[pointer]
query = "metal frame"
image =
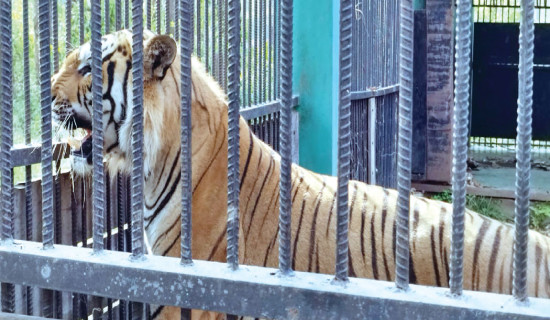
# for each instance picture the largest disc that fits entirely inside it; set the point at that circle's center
(241, 289)
(213, 286)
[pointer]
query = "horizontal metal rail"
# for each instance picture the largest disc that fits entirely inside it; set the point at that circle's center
(374, 92)
(263, 109)
(24, 155)
(11, 316)
(213, 286)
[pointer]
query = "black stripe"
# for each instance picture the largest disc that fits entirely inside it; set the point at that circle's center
(350, 265)
(250, 148)
(298, 231)
(162, 171)
(480, 235)
(363, 212)
(260, 192)
(412, 273)
(442, 250)
(373, 249)
(538, 258)
(210, 164)
(112, 146)
(107, 57)
(384, 219)
(125, 91)
(165, 234)
(492, 260)
(157, 312)
(218, 242)
(166, 199)
(174, 163)
(313, 227)
(434, 258)
(297, 188)
(271, 246)
(334, 196)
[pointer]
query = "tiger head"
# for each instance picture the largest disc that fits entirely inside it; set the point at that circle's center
(72, 94)
(72, 106)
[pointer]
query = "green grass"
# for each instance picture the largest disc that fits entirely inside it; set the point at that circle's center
(490, 207)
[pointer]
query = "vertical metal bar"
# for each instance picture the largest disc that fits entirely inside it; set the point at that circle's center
(127, 14)
(28, 169)
(55, 35)
(137, 128)
(106, 16)
(118, 14)
(81, 14)
(186, 49)
(199, 33)
(221, 62)
(177, 21)
(249, 64)
(98, 182)
(68, 16)
(256, 41)
(344, 140)
(233, 135)
(523, 151)
(7, 126)
(149, 12)
(263, 51)
(58, 306)
(158, 17)
(404, 144)
(45, 102)
(168, 16)
(121, 211)
(244, 57)
(206, 37)
(460, 140)
(285, 185)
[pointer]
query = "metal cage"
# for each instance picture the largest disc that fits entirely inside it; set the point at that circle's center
(39, 260)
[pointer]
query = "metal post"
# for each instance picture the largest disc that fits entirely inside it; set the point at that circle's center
(55, 35)
(28, 169)
(233, 135)
(137, 129)
(186, 49)
(285, 147)
(118, 14)
(404, 145)
(8, 290)
(344, 140)
(81, 14)
(98, 182)
(68, 35)
(523, 150)
(460, 140)
(45, 102)
(107, 16)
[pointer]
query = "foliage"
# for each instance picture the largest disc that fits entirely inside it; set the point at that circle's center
(539, 213)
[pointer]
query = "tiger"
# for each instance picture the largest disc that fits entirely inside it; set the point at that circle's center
(372, 209)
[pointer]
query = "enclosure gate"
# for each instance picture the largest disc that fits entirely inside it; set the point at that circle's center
(230, 288)
(374, 92)
(495, 67)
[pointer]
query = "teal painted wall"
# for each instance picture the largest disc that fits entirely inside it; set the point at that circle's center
(315, 61)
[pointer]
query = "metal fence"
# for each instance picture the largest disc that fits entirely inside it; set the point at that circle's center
(508, 11)
(242, 290)
(375, 92)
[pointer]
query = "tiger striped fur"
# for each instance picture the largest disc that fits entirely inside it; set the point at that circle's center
(488, 243)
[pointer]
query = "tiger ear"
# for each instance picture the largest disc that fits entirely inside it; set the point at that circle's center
(158, 55)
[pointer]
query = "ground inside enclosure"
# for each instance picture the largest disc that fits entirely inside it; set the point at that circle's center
(491, 182)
